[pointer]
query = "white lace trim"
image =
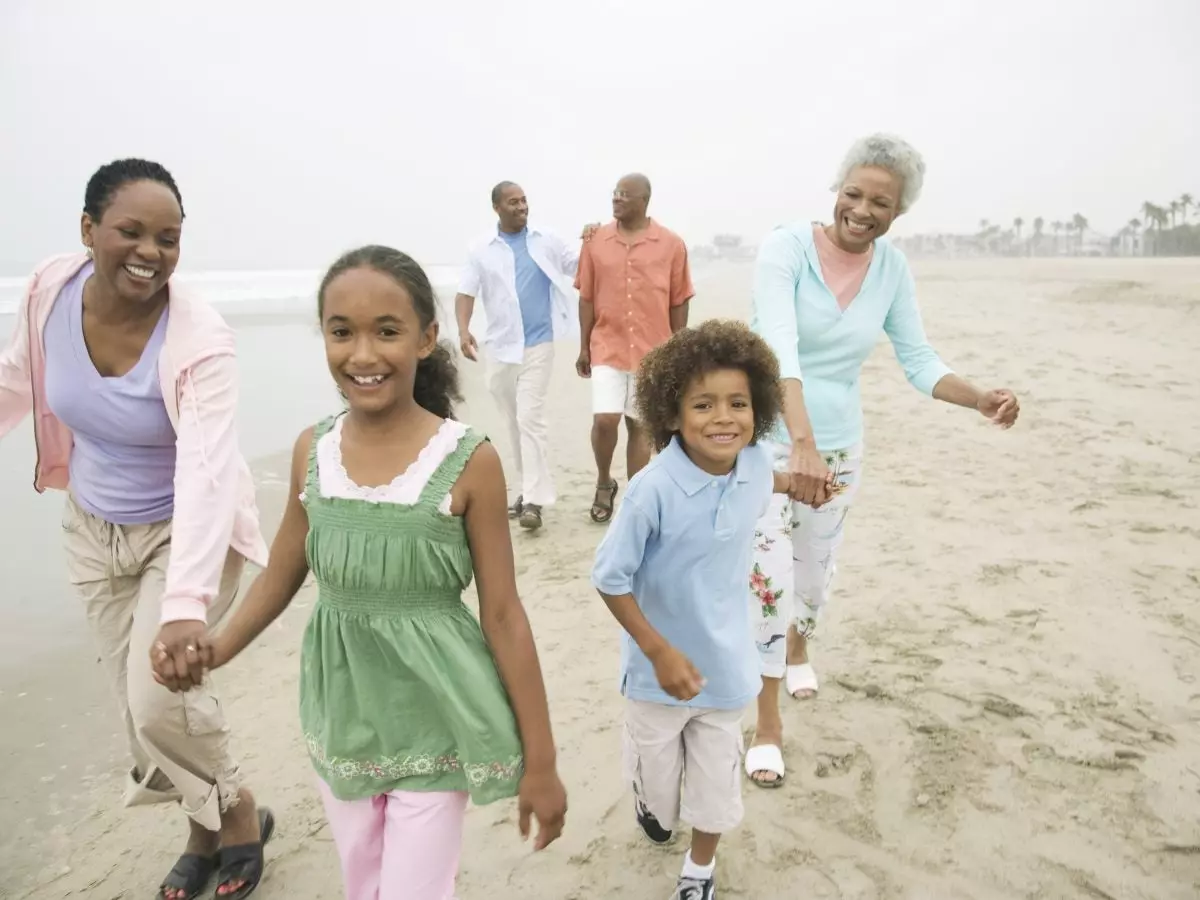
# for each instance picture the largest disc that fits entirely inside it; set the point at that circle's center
(405, 489)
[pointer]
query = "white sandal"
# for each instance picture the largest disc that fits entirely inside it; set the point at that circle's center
(802, 678)
(765, 758)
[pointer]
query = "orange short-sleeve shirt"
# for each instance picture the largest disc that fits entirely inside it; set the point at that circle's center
(632, 287)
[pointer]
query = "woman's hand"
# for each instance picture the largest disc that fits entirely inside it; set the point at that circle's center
(213, 654)
(676, 675)
(811, 478)
(1000, 406)
(542, 797)
(175, 656)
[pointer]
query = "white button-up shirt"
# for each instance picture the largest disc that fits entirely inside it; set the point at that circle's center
(490, 276)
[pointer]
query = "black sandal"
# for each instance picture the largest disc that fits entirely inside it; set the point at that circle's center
(190, 874)
(514, 511)
(244, 862)
(602, 512)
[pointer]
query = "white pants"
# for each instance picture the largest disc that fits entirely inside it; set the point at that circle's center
(795, 558)
(520, 394)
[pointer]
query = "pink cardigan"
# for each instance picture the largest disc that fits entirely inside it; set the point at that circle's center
(215, 507)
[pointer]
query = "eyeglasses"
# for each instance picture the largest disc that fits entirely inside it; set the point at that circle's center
(625, 195)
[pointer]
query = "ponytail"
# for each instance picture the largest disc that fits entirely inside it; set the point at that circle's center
(436, 387)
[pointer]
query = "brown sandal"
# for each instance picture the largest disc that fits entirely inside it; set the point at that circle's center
(603, 512)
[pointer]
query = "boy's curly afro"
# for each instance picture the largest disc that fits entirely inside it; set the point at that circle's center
(669, 368)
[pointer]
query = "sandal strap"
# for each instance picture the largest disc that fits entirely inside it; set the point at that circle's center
(245, 862)
(190, 873)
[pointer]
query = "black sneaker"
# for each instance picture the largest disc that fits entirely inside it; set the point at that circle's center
(650, 826)
(695, 889)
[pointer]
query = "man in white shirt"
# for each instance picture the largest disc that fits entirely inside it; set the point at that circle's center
(525, 278)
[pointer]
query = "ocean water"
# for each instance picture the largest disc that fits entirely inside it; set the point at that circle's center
(285, 291)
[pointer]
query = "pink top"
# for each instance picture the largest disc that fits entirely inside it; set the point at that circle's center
(843, 272)
(215, 507)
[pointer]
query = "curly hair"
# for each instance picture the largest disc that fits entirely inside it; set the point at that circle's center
(691, 353)
(436, 388)
(111, 177)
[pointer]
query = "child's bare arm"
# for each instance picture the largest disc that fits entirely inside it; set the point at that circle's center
(675, 673)
(506, 627)
(274, 588)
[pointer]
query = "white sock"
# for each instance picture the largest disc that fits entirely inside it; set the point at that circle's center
(691, 870)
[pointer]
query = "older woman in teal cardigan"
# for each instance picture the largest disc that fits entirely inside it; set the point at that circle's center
(822, 293)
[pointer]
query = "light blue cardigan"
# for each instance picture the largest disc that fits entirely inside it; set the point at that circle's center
(817, 343)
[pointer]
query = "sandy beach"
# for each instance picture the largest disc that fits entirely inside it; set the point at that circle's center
(1010, 705)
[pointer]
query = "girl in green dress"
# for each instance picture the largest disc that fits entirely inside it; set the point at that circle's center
(408, 706)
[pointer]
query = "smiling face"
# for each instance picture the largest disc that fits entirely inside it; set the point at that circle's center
(716, 419)
(373, 339)
(135, 243)
(513, 209)
(867, 204)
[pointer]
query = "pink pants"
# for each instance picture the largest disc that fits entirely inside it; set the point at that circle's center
(403, 845)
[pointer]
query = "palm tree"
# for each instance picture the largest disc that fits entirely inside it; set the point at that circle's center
(1038, 224)
(1148, 209)
(1056, 227)
(1017, 223)
(1185, 200)
(1080, 224)
(1174, 208)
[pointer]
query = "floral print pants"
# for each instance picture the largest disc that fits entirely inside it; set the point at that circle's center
(795, 554)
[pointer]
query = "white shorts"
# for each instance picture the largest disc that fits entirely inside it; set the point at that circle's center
(613, 392)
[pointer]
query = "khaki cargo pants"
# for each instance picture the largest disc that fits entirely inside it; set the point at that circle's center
(179, 742)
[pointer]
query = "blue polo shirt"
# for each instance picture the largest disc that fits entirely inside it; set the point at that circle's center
(681, 544)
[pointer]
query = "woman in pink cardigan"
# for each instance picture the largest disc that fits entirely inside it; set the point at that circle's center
(132, 384)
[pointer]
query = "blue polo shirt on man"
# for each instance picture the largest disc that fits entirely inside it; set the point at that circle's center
(681, 544)
(533, 290)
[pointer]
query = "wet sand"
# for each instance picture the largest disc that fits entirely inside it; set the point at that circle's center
(1009, 707)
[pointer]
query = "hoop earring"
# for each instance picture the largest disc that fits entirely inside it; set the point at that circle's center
(89, 253)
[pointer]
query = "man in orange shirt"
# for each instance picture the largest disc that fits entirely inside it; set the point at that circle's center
(634, 286)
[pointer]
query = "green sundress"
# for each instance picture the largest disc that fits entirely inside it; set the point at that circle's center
(398, 689)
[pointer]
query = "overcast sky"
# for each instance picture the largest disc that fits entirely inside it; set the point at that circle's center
(296, 134)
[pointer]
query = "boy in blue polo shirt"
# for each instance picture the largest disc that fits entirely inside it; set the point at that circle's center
(672, 570)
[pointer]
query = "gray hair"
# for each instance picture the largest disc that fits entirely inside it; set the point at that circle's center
(887, 152)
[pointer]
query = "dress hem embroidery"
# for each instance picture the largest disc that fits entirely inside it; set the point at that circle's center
(414, 765)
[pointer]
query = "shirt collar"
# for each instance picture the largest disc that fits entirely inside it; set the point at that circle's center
(653, 232)
(689, 476)
(530, 231)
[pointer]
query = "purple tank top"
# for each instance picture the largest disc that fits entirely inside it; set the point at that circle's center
(123, 462)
